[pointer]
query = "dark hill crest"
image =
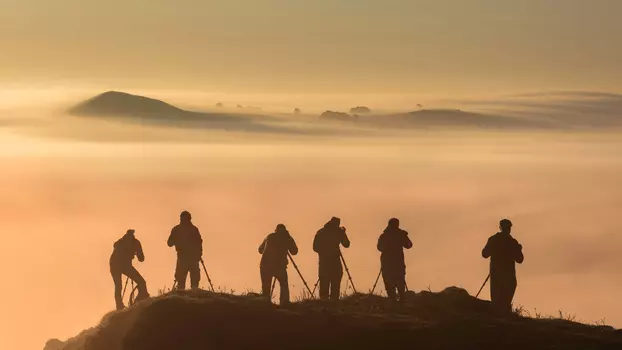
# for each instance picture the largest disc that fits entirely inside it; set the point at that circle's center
(123, 104)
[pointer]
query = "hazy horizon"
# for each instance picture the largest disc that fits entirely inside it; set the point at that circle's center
(447, 47)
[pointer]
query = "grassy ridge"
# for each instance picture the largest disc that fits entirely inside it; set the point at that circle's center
(447, 320)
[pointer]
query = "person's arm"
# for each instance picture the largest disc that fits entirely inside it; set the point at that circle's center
(139, 251)
(380, 245)
(293, 248)
(262, 246)
(519, 258)
(487, 251)
(344, 239)
(172, 239)
(407, 242)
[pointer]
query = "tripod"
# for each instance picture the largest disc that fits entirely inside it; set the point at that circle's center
(347, 271)
(300, 274)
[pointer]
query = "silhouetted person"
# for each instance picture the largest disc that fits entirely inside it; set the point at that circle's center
(391, 244)
(189, 246)
(326, 244)
(504, 251)
(121, 264)
(274, 261)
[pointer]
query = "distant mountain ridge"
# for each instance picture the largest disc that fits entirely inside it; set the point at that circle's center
(599, 111)
(128, 107)
(121, 103)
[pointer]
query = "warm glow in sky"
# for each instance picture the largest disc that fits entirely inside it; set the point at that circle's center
(415, 46)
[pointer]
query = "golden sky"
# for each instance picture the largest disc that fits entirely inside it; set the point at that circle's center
(414, 46)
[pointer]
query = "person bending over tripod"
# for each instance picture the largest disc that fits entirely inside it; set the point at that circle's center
(121, 264)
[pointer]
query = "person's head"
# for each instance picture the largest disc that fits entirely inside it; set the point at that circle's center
(394, 223)
(505, 226)
(129, 233)
(280, 228)
(185, 216)
(335, 221)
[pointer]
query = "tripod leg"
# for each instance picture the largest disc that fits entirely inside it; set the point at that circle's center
(207, 275)
(347, 271)
(315, 287)
(300, 274)
(127, 279)
(483, 285)
(376, 283)
(272, 289)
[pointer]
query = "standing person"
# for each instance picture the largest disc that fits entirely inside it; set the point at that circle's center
(391, 244)
(274, 250)
(189, 246)
(326, 245)
(504, 252)
(121, 264)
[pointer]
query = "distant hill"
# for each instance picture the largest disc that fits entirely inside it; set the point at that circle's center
(128, 107)
(337, 116)
(449, 320)
(448, 118)
(113, 103)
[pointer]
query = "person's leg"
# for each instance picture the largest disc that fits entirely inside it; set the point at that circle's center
(389, 283)
(181, 273)
(324, 274)
(266, 282)
(117, 278)
(195, 274)
(508, 294)
(495, 295)
(281, 276)
(400, 282)
(134, 275)
(335, 281)
(501, 292)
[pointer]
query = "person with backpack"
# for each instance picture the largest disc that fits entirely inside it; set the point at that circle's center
(188, 243)
(274, 252)
(391, 245)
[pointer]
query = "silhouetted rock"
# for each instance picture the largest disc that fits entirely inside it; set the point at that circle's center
(121, 103)
(360, 110)
(297, 111)
(336, 116)
(451, 319)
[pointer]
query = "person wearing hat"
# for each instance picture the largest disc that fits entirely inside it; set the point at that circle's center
(274, 251)
(188, 243)
(125, 249)
(504, 252)
(326, 244)
(391, 245)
